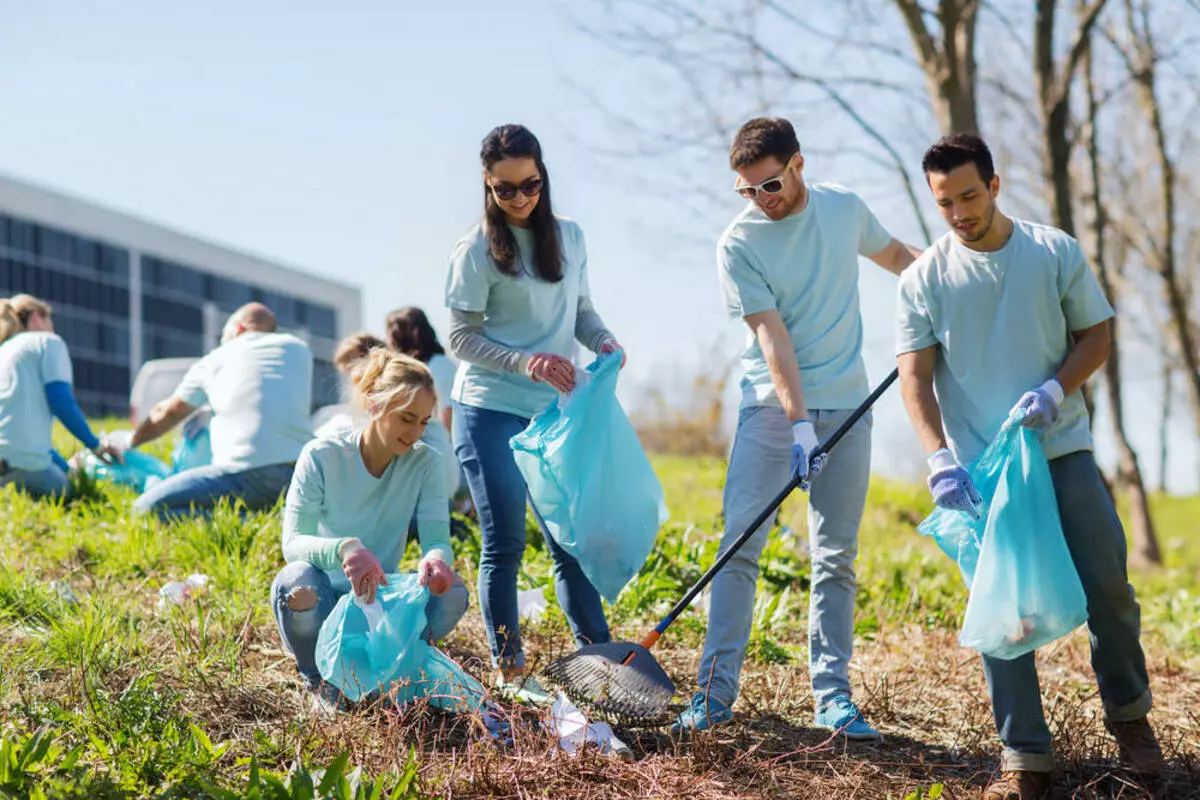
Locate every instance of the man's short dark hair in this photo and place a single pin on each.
(955, 149)
(761, 138)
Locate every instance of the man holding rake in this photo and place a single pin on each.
(788, 266)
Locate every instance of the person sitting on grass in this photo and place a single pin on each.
(259, 385)
(999, 315)
(35, 387)
(347, 513)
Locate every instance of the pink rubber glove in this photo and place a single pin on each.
(554, 370)
(436, 574)
(612, 345)
(362, 570)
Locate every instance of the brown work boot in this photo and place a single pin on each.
(1016, 784)
(1139, 746)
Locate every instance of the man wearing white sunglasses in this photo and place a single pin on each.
(788, 266)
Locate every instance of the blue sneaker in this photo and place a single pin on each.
(843, 715)
(703, 713)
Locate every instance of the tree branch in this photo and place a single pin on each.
(1067, 72)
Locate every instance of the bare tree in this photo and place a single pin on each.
(1129, 474)
(947, 57)
(1142, 57)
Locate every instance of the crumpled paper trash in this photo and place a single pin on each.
(531, 603)
(176, 592)
(574, 732)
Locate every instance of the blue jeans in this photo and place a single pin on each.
(48, 482)
(198, 490)
(1097, 543)
(300, 615)
(759, 467)
(481, 439)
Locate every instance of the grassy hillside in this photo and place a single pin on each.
(104, 694)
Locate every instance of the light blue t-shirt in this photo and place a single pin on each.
(28, 361)
(333, 497)
(259, 386)
(805, 266)
(521, 312)
(1002, 321)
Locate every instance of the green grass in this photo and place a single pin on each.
(107, 695)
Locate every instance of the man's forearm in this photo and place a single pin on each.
(785, 376)
(922, 406)
(1088, 354)
(162, 418)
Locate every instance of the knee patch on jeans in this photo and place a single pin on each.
(302, 598)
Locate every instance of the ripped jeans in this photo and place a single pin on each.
(299, 614)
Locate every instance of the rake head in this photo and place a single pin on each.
(619, 680)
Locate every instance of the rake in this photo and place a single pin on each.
(622, 680)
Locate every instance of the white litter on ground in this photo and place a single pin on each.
(531, 603)
(176, 592)
(574, 732)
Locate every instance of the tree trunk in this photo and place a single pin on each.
(1129, 474)
(949, 64)
(1164, 422)
(1144, 76)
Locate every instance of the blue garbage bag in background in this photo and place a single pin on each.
(194, 446)
(1024, 589)
(590, 480)
(377, 647)
(139, 470)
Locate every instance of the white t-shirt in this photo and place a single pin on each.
(259, 386)
(29, 361)
(443, 370)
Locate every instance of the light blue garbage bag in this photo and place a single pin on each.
(194, 446)
(140, 470)
(377, 647)
(1024, 589)
(590, 479)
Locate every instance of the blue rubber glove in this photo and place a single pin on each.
(804, 442)
(951, 485)
(1041, 405)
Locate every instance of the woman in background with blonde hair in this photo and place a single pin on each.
(352, 496)
(35, 387)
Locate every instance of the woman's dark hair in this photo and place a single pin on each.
(516, 141)
(409, 332)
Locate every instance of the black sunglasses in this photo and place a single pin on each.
(530, 187)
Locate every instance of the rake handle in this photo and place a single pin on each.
(823, 448)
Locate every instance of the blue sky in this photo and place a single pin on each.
(346, 142)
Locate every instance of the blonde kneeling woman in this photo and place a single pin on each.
(348, 509)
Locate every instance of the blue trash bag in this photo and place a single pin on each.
(590, 480)
(139, 470)
(194, 446)
(378, 647)
(1024, 589)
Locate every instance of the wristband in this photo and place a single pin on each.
(941, 460)
(1053, 388)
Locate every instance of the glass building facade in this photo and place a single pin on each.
(89, 284)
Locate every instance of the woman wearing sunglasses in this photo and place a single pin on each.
(517, 291)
